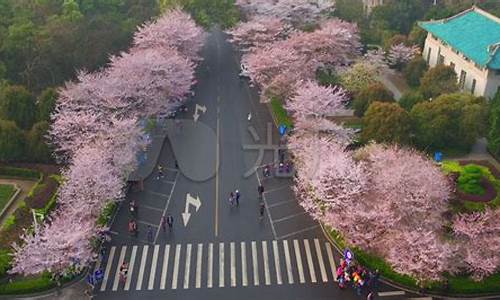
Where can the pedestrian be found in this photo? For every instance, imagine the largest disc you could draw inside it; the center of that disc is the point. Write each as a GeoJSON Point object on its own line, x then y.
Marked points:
{"type": "Point", "coordinates": [160, 172]}
{"type": "Point", "coordinates": [123, 271]}
{"type": "Point", "coordinates": [170, 222]}
{"type": "Point", "coordinates": [373, 280]}
{"type": "Point", "coordinates": [176, 164]}
{"type": "Point", "coordinates": [231, 198]}
{"type": "Point", "coordinates": [370, 296]}
{"type": "Point", "coordinates": [262, 207]}
{"type": "Point", "coordinates": [260, 189]}
{"type": "Point", "coordinates": [249, 117]}
{"type": "Point", "coordinates": [163, 223]}
{"type": "Point", "coordinates": [237, 196]}
{"type": "Point", "coordinates": [150, 234]}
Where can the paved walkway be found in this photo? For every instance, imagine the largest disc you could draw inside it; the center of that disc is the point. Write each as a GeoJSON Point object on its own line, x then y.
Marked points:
{"type": "Point", "coordinates": [394, 82]}
{"type": "Point", "coordinates": [479, 152]}
{"type": "Point", "coordinates": [25, 186]}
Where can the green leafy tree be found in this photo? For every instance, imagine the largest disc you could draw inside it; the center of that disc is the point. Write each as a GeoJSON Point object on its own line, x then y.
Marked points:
{"type": "Point", "coordinates": [414, 70]}
{"type": "Point", "coordinates": [437, 81]}
{"type": "Point", "coordinates": [37, 148]}
{"type": "Point", "coordinates": [449, 121]}
{"type": "Point", "coordinates": [18, 105]}
{"type": "Point", "coordinates": [358, 77]}
{"type": "Point", "coordinates": [410, 98]}
{"type": "Point", "coordinates": [373, 92]}
{"type": "Point", "coordinates": [208, 12]}
{"type": "Point", "coordinates": [494, 132]}
{"type": "Point", "coordinates": [11, 142]}
{"type": "Point", "coordinates": [46, 103]}
{"type": "Point", "coordinates": [417, 36]}
{"type": "Point", "coordinates": [349, 10]}
{"type": "Point", "coordinates": [386, 123]}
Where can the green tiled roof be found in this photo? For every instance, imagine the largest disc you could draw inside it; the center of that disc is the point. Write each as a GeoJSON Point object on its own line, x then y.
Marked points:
{"type": "Point", "coordinates": [474, 34]}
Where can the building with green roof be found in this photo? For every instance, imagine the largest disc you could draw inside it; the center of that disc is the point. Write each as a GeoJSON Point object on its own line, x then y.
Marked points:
{"type": "Point", "coordinates": [470, 43]}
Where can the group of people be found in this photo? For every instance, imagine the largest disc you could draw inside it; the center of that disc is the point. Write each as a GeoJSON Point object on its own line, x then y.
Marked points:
{"type": "Point", "coordinates": [350, 273]}
{"type": "Point", "coordinates": [234, 197]}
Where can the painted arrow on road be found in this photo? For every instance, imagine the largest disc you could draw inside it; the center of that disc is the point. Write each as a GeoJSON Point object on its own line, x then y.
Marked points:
{"type": "Point", "coordinates": [198, 108]}
{"type": "Point", "coordinates": [196, 202]}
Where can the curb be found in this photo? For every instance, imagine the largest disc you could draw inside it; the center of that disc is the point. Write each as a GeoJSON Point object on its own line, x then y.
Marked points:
{"type": "Point", "coordinates": [406, 289]}
{"type": "Point", "coordinates": [9, 203]}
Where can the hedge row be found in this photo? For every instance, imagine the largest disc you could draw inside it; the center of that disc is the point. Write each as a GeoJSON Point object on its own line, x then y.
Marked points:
{"type": "Point", "coordinates": [19, 173]}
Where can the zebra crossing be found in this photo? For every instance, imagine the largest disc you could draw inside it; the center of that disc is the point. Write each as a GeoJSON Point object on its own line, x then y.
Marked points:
{"type": "Point", "coordinates": [219, 265]}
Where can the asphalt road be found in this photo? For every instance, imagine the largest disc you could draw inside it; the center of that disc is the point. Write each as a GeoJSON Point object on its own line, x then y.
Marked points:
{"type": "Point", "coordinates": [224, 251]}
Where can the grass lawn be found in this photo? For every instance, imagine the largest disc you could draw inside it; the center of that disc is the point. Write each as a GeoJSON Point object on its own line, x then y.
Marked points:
{"type": "Point", "coordinates": [6, 191]}
{"type": "Point", "coordinates": [280, 113]}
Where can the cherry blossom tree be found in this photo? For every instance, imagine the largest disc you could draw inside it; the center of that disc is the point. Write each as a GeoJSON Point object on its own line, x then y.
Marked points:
{"type": "Point", "coordinates": [479, 236]}
{"type": "Point", "coordinates": [258, 32]}
{"type": "Point", "coordinates": [311, 99]}
{"type": "Point", "coordinates": [401, 54]}
{"type": "Point", "coordinates": [174, 29]}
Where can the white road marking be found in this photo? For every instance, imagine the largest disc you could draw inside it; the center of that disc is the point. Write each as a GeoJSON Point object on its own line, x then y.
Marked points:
{"type": "Point", "coordinates": [288, 262]}
{"type": "Point", "coordinates": [233, 264]}
{"type": "Point", "coordinates": [152, 274]}
{"type": "Point", "coordinates": [282, 203]}
{"type": "Point", "coordinates": [167, 204]}
{"type": "Point", "coordinates": [321, 262]}
{"type": "Point", "coordinates": [392, 293]}
{"type": "Point", "coordinates": [141, 267]}
{"type": "Point", "coordinates": [290, 217]}
{"type": "Point", "coordinates": [175, 274]}
{"type": "Point", "coordinates": [267, 275]}
{"type": "Point", "coordinates": [130, 268]}
{"type": "Point", "coordinates": [147, 223]}
{"type": "Point", "coordinates": [187, 267]}
{"type": "Point", "coordinates": [199, 255]}
{"type": "Point", "coordinates": [108, 268]}
{"type": "Point", "coordinates": [151, 208]}
{"type": "Point", "coordinates": [298, 257]}
{"type": "Point", "coordinates": [277, 265]}
{"type": "Point", "coordinates": [210, 265]}
{"type": "Point", "coordinates": [221, 264]}
{"type": "Point", "coordinates": [255, 264]}
{"type": "Point", "coordinates": [244, 278]}
{"type": "Point", "coordinates": [331, 260]}
{"type": "Point", "coordinates": [164, 269]}
{"type": "Point", "coordinates": [117, 273]}
{"type": "Point", "coordinates": [297, 232]}
{"type": "Point", "coordinates": [267, 206]}
{"type": "Point", "coordinates": [312, 273]}
{"type": "Point", "coordinates": [158, 194]}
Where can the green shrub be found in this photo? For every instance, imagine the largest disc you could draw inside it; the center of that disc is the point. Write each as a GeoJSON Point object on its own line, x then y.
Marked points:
{"type": "Point", "coordinates": [280, 113]}
{"type": "Point", "coordinates": [327, 77]}
{"type": "Point", "coordinates": [27, 285]}
{"type": "Point", "coordinates": [5, 261]}
{"type": "Point", "coordinates": [470, 180]}
{"type": "Point", "coordinates": [410, 98]}
{"type": "Point", "coordinates": [12, 141]}
{"type": "Point", "coordinates": [107, 213]}
{"type": "Point", "coordinates": [414, 70]}
{"type": "Point", "coordinates": [9, 222]}
{"type": "Point", "coordinates": [373, 92]}
{"type": "Point", "coordinates": [19, 172]}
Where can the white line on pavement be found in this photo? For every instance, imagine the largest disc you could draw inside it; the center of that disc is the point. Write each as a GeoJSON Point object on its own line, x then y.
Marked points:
{"type": "Point", "coordinates": [151, 208]}
{"type": "Point", "coordinates": [130, 268]}
{"type": "Point", "coordinates": [288, 262]}
{"type": "Point", "coordinates": [187, 267]}
{"type": "Point", "coordinates": [158, 194]}
{"type": "Point", "coordinates": [117, 273]}
{"type": "Point", "coordinates": [199, 255]}
{"type": "Point", "coordinates": [244, 278]}
{"type": "Point", "coordinates": [289, 217]}
{"type": "Point", "coordinates": [276, 189]}
{"type": "Point", "coordinates": [152, 275]}
{"type": "Point", "coordinates": [321, 262]}
{"type": "Point", "coordinates": [233, 264]}
{"type": "Point", "coordinates": [108, 268]}
{"type": "Point", "coordinates": [210, 265]}
{"type": "Point", "coordinates": [267, 209]}
{"type": "Point", "coordinates": [333, 268]}
{"type": "Point", "coordinates": [147, 223]}
{"type": "Point", "coordinates": [175, 274]}
{"type": "Point", "coordinates": [255, 264]}
{"type": "Point", "coordinates": [277, 265]}
{"type": "Point", "coordinates": [312, 273]}
{"type": "Point", "coordinates": [267, 275]}
{"type": "Point", "coordinates": [221, 264]}
{"type": "Point", "coordinates": [298, 257]}
{"type": "Point", "coordinates": [138, 287]}
{"type": "Point", "coordinates": [391, 293]}
{"type": "Point", "coordinates": [164, 269]}
{"type": "Point", "coordinates": [297, 232]}
{"type": "Point", "coordinates": [166, 206]}
{"type": "Point", "coordinates": [282, 203]}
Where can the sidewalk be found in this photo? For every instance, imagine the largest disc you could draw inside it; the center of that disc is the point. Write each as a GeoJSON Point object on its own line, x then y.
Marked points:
{"type": "Point", "coordinates": [394, 82]}
{"type": "Point", "coordinates": [479, 152]}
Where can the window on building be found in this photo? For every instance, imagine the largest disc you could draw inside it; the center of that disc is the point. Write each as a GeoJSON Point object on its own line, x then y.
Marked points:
{"type": "Point", "coordinates": [440, 59]}
{"type": "Point", "coordinates": [461, 82]}
{"type": "Point", "coordinates": [429, 55]}
{"type": "Point", "coordinates": [452, 65]}
{"type": "Point", "coordinates": [473, 87]}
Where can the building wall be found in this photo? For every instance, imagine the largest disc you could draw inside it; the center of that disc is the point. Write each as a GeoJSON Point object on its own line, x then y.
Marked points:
{"type": "Point", "coordinates": [486, 81]}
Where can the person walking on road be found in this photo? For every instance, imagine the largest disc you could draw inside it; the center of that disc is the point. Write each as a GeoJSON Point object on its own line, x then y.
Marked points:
{"type": "Point", "coordinates": [262, 207]}
{"type": "Point", "coordinates": [170, 222]}
{"type": "Point", "coordinates": [163, 223]}
{"type": "Point", "coordinates": [260, 189]}
{"type": "Point", "coordinates": [237, 197]}
{"type": "Point", "coordinates": [231, 198]}
{"type": "Point", "coordinates": [150, 234]}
